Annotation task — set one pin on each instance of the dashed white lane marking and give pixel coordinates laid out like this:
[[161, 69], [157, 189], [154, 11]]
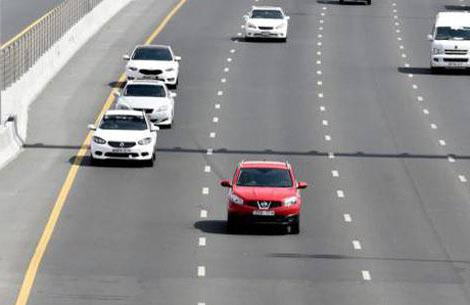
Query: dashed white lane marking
[[321, 21], [207, 169], [425, 111], [215, 119], [233, 50], [407, 65], [410, 75], [433, 126], [201, 303], [205, 191], [202, 242], [319, 43], [319, 53], [210, 151], [442, 142], [399, 38], [415, 86], [397, 31], [366, 275], [394, 4], [229, 59], [327, 138], [397, 23], [239, 34], [318, 62], [242, 26], [401, 47], [319, 83], [335, 173], [322, 108], [340, 193], [324, 8], [347, 218], [462, 178], [220, 93], [331, 155], [212, 134], [322, 14], [320, 95], [319, 35], [320, 28], [223, 80], [403, 55], [226, 69], [203, 214], [217, 106], [357, 245], [420, 98], [395, 17], [450, 159], [201, 271], [319, 72], [324, 123]]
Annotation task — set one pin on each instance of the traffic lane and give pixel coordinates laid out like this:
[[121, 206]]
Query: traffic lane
[[145, 214], [17, 15], [57, 126], [395, 185], [276, 117]]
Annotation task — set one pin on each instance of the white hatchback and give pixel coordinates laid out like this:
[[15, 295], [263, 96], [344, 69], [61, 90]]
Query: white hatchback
[[151, 97], [266, 22], [124, 135]]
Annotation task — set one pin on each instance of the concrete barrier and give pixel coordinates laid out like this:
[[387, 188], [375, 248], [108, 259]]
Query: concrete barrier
[[16, 99]]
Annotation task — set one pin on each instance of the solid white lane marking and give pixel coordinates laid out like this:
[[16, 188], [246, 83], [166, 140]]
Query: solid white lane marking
[[207, 169], [356, 245], [223, 80], [322, 108], [331, 155], [340, 193], [320, 95], [226, 69], [433, 126], [215, 119], [425, 111], [217, 106], [335, 173], [442, 142], [319, 83], [202, 242], [420, 98], [212, 134], [347, 218], [203, 214], [220, 93], [205, 191], [210, 151], [201, 271], [462, 178], [327, 137], [229, 59], [366, 275], [324, 123], [451, 159]]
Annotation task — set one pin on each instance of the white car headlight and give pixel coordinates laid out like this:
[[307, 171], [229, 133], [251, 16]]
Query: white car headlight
[[133, 68], [290, 201], [99, 140], [145, 141], [280, 26], [250, 26], [162, 108], [235, 199], [437, 51], [169, 69]]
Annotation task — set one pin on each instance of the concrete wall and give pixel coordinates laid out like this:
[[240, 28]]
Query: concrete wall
[[16, 99]]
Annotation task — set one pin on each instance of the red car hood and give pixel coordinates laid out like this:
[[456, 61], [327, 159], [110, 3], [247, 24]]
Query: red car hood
[[250, 193]]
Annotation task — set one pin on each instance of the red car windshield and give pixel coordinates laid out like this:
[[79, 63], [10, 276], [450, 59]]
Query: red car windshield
[[264, 177]]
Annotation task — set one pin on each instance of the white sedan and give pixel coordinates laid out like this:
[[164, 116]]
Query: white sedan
[[124, 135], [151, 97], [266, 22], [156, 62]]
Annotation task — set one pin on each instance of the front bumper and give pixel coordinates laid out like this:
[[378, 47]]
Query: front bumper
[[281, 215], [138, 152], [257, 33], [169, 78], [450, 61]]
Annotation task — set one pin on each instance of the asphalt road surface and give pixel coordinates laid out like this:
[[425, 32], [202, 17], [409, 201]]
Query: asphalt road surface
[[15, 15], [348, 100]]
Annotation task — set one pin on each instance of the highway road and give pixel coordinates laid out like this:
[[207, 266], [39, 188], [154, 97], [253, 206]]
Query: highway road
[[348, 100], [16, 15]]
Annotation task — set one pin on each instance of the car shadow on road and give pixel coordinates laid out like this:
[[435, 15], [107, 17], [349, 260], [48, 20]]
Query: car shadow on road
[[117, 84], [336, 2], [220, 227], [427, 71], [86, 162], [255, 40]]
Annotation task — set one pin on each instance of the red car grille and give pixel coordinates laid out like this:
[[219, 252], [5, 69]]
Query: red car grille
[[259, 205]]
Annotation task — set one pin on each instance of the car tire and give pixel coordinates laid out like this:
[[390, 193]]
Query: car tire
[[284, 39], [435, 70], [232, 224], [94, 161], [369, 2], [151, 161], [294, 227], [341, 1], [247, 39]]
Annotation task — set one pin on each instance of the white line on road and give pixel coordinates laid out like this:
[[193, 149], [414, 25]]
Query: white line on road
[[205, 191], [347, 218], [202, 242], [318, 62], [442, 143], [232, 51], [319, 53], [207, 169], [217, 106], [226, 69], [420, 98], [327, 137], [210, 151], [331, 155], [324, 123], [320, 95], [319, 72], [415, 86], [357, 245], [425, 111], [335, 173], [433, 126], [462, 178], [223, 80], [340, 193], [450, 159], [220, 93], [319, 83], [366, 275], [212, 134], [322, 108], [201, 271], [203, 214], [215, 119], [229, 59]]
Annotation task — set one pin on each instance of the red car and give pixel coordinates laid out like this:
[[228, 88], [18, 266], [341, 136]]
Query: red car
[[264, 192]]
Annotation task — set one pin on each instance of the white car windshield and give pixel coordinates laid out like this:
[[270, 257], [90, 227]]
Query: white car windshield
[[448, 33], [268, 14], [123, 122], [146, 53], [264, 177], [145, 90]]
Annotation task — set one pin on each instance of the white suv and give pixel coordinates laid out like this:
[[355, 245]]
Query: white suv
[[266, 22]]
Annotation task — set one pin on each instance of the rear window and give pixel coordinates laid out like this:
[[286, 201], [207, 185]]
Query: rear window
[[264, 177], [145, 90], [152, 54]]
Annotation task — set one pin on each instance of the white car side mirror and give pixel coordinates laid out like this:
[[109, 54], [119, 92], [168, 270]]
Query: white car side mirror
[[173, 94], [126, 57], [154, 128], [117, 94], [430, 38], [246, 17], [287, 17], [177, 58], [92, 127]]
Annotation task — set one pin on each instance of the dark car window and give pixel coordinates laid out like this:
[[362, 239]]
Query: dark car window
[[152, 54], [123, 122], [448, 33], [145, 90], [267, 177], [269, 14]]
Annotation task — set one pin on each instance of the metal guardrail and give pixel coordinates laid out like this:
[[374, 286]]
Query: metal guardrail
[[19, 54]]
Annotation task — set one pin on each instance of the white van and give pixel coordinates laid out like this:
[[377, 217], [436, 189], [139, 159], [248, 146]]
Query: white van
[[450, 41]]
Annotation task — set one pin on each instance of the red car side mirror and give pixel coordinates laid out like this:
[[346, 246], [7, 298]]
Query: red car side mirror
[[302, 185], [225, 183]]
